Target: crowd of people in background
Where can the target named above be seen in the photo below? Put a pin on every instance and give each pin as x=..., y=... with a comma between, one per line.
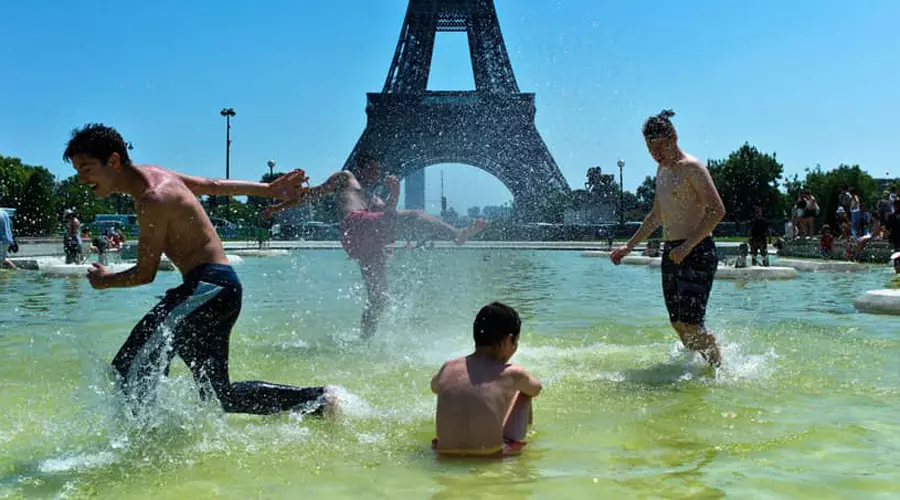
x=855, y=224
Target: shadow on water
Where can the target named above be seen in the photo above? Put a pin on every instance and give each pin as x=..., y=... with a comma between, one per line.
x=665, y=375
x=155, y=449
x=512, y=477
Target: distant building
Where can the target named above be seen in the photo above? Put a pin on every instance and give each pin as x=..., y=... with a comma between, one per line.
x=415, y=190
x=496, y=212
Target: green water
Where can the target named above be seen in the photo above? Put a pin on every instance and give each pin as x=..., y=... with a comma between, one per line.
x=807, y=406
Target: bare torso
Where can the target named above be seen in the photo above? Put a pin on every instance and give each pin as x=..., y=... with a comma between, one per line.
x=474, y=396
x=681, y=206
x=355, y=199
x=190, y=239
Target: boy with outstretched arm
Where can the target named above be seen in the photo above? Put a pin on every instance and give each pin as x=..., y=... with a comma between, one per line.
x=193, y=320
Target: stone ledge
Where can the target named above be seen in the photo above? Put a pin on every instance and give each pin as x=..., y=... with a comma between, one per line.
x=876, y=251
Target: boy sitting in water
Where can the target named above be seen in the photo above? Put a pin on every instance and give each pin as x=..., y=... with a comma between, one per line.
x=483, y=402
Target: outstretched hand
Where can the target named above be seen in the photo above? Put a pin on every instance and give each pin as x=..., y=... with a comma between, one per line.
x=616, y=255
x=96, y=273
x=289, y=186
x=392, y=182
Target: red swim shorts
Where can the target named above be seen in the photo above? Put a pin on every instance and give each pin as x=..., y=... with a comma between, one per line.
x=365, y=234
x=509, y=448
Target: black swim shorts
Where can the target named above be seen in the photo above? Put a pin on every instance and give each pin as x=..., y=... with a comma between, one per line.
x=686, y=286
x=194, y=321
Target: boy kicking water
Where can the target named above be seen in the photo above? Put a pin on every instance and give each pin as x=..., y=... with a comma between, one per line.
x=483, y=402
x=369, y=224
x=195, y=319
x=688, y=206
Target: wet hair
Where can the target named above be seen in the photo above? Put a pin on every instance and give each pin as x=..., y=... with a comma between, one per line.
x=365, y=157
x=660, y=125
x=97, y=141
x=494, y=322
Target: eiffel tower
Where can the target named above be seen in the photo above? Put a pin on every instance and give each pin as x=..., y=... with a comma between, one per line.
x=491, y=128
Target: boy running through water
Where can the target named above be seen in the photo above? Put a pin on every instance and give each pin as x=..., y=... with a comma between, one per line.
x=195, y=319
x=689, y=208
x=483, y=401
x=369, y=224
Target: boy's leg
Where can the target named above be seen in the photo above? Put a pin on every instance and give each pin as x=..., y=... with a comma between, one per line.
x=518, y=418
x=433, y=228
x=202, y=340
x=146, y=354
x=686, y=288
x=374, y=273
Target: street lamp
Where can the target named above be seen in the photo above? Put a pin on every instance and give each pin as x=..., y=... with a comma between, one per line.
x=271, y=164
x=227, y=113
x=621, y=164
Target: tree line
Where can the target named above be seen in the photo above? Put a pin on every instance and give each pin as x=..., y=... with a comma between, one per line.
x=39, y=200
x=746, y=178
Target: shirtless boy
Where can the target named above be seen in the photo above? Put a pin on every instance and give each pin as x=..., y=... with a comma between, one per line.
x=369, y=224
x=688, y=206
x=483, y=402
x=195, y=319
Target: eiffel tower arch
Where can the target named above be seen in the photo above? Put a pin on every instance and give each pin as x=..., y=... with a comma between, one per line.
x=491, y=128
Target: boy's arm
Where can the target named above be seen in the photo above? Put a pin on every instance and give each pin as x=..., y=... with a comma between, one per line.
x=526, y=383
x=286, y=187
x=393, y=185
x=714, y=210
x=648, y=226
x=435, y=386
x=334, y=184
x=154, y=223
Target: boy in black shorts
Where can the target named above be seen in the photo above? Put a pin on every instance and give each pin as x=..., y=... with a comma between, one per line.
x=193, y=320
x=688, y=206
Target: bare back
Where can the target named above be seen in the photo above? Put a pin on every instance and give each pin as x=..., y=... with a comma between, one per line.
x=190, y=238
x=474, y=395
x=681, y=206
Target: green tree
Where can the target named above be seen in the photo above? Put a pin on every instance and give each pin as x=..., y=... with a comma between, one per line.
x=792, y=187
x=645, y=193
x=745, y=179
x=13, y=176
x=70, y=193
x=602, y=187
x=632, y=207
x=38, y=212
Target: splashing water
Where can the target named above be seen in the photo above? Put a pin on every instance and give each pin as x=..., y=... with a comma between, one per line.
x=799, y=407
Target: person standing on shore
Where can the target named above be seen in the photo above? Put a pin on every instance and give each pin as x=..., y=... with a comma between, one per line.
x=689, y=207
x=6, y=239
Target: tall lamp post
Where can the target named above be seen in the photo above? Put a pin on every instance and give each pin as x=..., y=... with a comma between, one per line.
x=271, y=164
x=621, y=164
x=227, y=113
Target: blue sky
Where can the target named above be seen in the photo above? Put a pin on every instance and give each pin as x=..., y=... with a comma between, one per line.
x=814, y=81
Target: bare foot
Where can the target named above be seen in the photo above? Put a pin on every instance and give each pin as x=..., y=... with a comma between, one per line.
x=475, y=228
x=332, y=408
